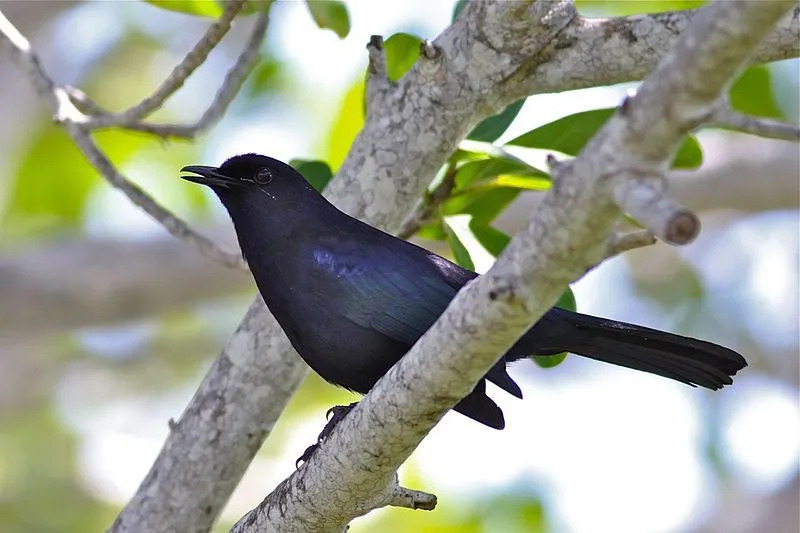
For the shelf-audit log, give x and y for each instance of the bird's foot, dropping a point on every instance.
(334, 415)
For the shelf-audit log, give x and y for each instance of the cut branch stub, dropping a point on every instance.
(643, 197)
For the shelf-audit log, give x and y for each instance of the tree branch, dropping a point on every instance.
(623, 242)
(230, 87)
(604, 51)
(723, 116)
(356, 464)
(79, 283)
(196, 57)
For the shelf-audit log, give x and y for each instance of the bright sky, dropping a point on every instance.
(610, 449)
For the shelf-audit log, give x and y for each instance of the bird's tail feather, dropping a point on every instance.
(683, 359)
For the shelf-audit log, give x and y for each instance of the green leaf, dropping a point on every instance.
(493, 240)
(318, 173)
(605, 8)
(432, 232)
(484, 207)
(346, 125)
(567, 135)
(488, 180)
(475, 246)
(454, 235)
(483, 160)
(200, 8)
(457, 9)
(549, 361)
(565, 301)
(402, 51)
(55, 180)
(330, 15)
(523, 182)
(486, 168)
(689, 155)
(490, 129)
(570, 134)
(752, 94)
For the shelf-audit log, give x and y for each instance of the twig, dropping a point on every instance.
(173, 82)
(73, 120)
(233, 81)
(412, 499)
(724, 116)
(639, 195)
(174, 225)
(377, 78)
(430, 202)
(623, 242)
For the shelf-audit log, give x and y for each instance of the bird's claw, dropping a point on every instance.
(334, 415)
(306, 455)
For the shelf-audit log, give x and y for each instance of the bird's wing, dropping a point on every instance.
(397, 289)
(394, 290)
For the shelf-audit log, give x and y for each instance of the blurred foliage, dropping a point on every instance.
(40, 481)
(346, 125)
(752, 93)
(506, 512)
(318, 173)
(633, 7)
(402, 51)
(201, 8)
(330, 15)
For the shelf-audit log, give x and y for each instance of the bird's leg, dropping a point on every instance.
(334, 415)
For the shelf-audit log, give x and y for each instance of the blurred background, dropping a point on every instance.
(107, 324)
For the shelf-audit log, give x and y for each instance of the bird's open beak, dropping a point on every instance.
(208, 176)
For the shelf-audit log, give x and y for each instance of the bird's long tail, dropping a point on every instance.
(683, 359)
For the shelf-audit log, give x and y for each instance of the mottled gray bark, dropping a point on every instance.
(354, 471)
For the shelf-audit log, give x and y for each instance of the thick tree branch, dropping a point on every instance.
(406, 139)
(355, 466)
(595, 52)
(80, 283)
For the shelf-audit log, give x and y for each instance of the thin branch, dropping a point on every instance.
(196, 56)
(426, 212)
(73, 120)
(174, 225)
(623, 242)
(643, 197)
(723, 116)
(412, 499)
(225, 95)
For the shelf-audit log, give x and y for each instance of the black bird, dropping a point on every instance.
(353, 299)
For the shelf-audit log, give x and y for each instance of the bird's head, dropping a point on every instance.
(253, 178)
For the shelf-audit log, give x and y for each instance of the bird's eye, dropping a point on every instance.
(263, 176)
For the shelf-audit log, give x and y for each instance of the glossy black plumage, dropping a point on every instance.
(353, 299)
